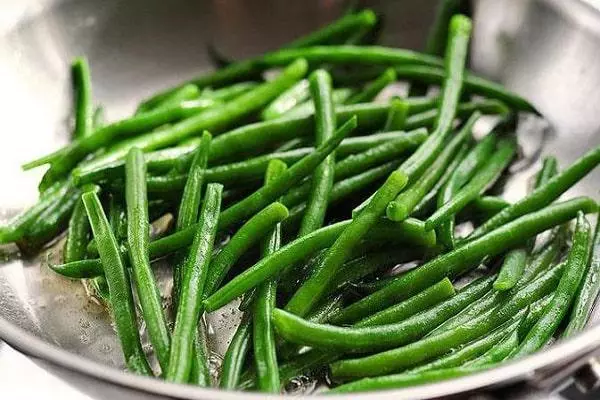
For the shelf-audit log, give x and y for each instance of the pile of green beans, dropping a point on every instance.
(329, 210)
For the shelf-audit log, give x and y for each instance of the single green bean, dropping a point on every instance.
(461, 175)
(137, 238)
(543, 195)
(323, 176)
(487, 174)
(467, 256)
(588, 292)
(117, 277)
(268, 193)
(192, 289)
(576, 265)
(404, 204)
(536, 310)
(245, 238)
(489, 205)
(265, 355)
(437, 36)
(348, 54)
(78, 235)
(430, 347)
(371, 90)
(82, 93)
(313, 289)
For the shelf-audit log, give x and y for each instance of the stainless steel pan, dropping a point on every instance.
(545, 49)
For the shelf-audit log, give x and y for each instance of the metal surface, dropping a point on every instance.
(543, 49)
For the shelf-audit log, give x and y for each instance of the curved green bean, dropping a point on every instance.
(511, 270)
(286, 101)
(233, 360)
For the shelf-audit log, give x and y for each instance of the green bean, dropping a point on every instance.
(511, 270)
(233, 360)
(313, 289)
(348, 54)
(404, 204)
(425, 349)
(123, 309)
(214, 118)
(588, 292)
(548, 170)
(397, 115)
(265, 356)
(543, 195)
(339, 28)
(245, 238)
(192, 289)
(17, 228)
(463, 174)
(423, 300)
(286, 101)
(137, 239)
(338, 96)
(365, 337)
(323, 176)
(82, 88)
(263, 196)
(117, 216)
(472, 83)
(467, 256)
(487, 174)
(290, 254)
(186, 92)
(370, 91)
(576, 265)
(291, 145)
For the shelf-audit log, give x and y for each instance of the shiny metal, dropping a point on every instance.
(544, 49)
